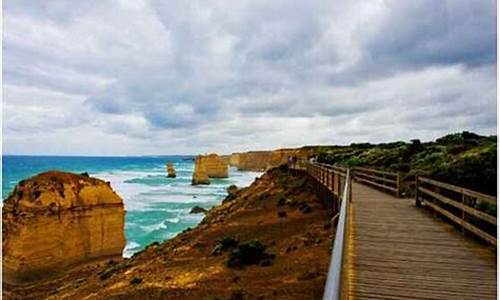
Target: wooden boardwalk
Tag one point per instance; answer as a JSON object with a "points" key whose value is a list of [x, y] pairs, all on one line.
{"points": [[398, 251]]}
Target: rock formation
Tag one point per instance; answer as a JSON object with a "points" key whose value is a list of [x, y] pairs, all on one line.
{"points": [[171, 170], [197, 210], [265, 160], [57, 219], [215, 166], [200, 175], [209, 166]]}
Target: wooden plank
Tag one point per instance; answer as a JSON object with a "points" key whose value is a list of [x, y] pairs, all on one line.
{"points": [[471, 193], [470, 210], [399, 251], [484, 235], [378, 184]]}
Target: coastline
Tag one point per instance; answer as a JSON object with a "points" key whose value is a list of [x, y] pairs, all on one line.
{"points": [[185, 266]]}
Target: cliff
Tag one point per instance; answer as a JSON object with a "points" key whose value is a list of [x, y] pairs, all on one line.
{"points": [[287, 250], [265, 160], [56, 219], [214, 164], [200, 175], [209, 166]]}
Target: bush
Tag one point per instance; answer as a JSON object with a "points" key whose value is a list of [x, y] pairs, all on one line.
{"points": [[136, 280], [249, 253]]}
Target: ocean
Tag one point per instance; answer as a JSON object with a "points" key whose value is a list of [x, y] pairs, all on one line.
{"points": [[157, 207]]}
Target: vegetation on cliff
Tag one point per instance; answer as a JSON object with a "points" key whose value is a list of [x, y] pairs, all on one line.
{"points": [[465, 159]]}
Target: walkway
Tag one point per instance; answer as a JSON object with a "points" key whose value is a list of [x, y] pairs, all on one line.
{"points": [[397, 251]]}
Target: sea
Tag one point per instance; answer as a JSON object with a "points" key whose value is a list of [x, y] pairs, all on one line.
{"points": [[158, 208]]}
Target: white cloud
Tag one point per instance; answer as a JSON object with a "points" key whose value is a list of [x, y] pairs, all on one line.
{"points": [[161, 77]]}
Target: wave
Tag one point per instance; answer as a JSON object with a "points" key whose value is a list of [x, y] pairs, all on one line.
{"points": [[131, 248], [154, 227], [173, 220]]}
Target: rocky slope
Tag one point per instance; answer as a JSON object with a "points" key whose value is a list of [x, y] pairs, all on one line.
{"points": [[268, 241], [54, 220]]}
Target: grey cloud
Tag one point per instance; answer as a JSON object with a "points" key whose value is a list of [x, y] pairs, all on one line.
{"points": [[155, 70]]}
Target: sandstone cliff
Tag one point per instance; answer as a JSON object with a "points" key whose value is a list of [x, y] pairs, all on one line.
{"points": [[200, 175], [57, 219], [216, 167], [265, 160], [209, 166], [171, 170]]}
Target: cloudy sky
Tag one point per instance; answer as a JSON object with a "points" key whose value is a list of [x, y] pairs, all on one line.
{"points": [[185, 77]]}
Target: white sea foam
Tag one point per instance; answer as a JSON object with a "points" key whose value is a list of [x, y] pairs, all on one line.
{"points": [[130, 248], [173, 220], [154, 227], [145, 191]]}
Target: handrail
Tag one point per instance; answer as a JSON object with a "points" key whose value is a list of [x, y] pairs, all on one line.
{"points": [[459, 205], [390, 181], [324, 175], [333, 286]]}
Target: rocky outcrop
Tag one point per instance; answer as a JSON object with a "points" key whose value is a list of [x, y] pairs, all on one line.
{"points": [[198, 210], [57, 219], [212, 165], [171, 170], [200, 175]]}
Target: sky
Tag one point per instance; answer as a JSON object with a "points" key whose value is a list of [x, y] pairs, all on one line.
{"points": [[142, 77]]}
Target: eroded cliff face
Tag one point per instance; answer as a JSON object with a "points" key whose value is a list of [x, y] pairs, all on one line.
{"points": [[265, 160], [209, 166], [57, 219], [216, 167], [200, 175]]}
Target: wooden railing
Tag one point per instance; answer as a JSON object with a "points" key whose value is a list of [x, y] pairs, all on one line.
{"points": [[333, 187], [329, 182], [335, 287], [460, 206], [388, 181]]}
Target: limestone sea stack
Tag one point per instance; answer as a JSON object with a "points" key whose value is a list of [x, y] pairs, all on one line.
{"points": [[55, 220], [200, 175], [216, 166], [171, 170], [209, 166]]}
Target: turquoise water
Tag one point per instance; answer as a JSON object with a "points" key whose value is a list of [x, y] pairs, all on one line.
{"points": [[157, 207]]}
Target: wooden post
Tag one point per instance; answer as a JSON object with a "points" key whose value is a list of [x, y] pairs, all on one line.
{"points": [[398, 184], [350, 185], [463, 213], [417, 199]]}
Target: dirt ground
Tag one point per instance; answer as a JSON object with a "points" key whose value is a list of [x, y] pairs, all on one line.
{"points": [[278, 210]]}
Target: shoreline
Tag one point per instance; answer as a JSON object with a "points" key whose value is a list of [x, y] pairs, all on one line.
{"points": [[186, 266]]}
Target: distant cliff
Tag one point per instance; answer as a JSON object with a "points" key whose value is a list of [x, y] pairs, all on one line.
{"points": [[264, 160], [57, 219]]}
